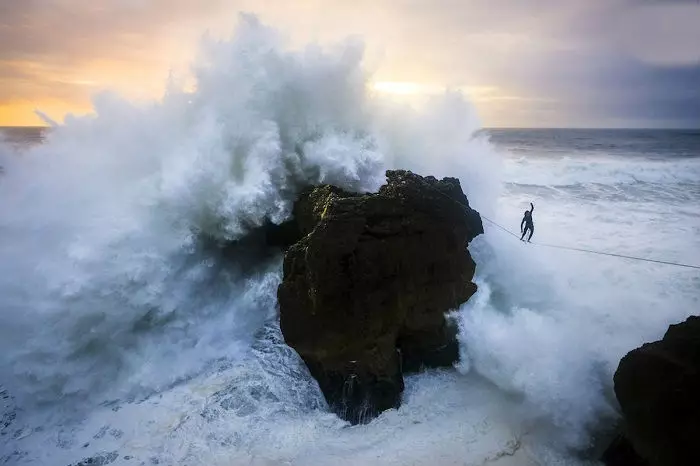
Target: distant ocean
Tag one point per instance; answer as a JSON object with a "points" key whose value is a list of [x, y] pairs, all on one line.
{"points": [[651, 143], [646, 143], [19, 136]]}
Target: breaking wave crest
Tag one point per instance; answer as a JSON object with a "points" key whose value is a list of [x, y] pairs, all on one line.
{"points": [[108, 287]]}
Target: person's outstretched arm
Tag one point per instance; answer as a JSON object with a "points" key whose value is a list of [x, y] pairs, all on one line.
{"points": [[532, 208]]}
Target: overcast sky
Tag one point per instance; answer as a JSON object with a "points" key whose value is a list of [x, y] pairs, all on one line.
{"points": [[591, 63]]}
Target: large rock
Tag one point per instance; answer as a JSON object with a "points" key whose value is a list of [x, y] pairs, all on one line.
{"points": [[658, 387], [365, 292], [620, 452]]}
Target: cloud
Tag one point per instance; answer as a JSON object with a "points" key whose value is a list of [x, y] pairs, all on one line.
{"points": [[572, 63], [563, 62], [662, 34], [74, 29]]}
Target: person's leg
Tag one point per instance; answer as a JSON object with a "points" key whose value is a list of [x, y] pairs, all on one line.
{"points": [[527, 228], [532, 230]]}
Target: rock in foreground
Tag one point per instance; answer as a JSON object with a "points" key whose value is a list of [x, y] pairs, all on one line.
{"points": [[366, 290], [622, 453], [658, 387]]}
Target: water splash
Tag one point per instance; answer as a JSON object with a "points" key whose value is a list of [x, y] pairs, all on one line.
{"points": [[107, 291]]}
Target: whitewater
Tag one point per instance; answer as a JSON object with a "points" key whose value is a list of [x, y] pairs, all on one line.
{"points": [[128, 336]]}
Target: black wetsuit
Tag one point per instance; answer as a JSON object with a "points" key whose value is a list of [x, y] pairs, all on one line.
{"points": [[527, 222]]}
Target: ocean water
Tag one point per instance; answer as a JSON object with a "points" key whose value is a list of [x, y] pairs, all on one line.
{"points": [[124, 338]]}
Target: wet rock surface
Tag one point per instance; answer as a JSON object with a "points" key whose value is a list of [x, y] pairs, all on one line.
{"points": [[367, 288], [622, 453], [658, 388]]}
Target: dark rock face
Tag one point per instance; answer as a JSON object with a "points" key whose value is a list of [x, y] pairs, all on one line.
{"points": [[366, 289], [622, 453], [658, 387]]}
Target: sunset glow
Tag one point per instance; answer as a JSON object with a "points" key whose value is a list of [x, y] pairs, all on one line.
{"points": [[505, 56], [401, 88]]}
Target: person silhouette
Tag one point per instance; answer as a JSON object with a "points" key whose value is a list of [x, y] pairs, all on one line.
{"points": [[527, 223]]}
